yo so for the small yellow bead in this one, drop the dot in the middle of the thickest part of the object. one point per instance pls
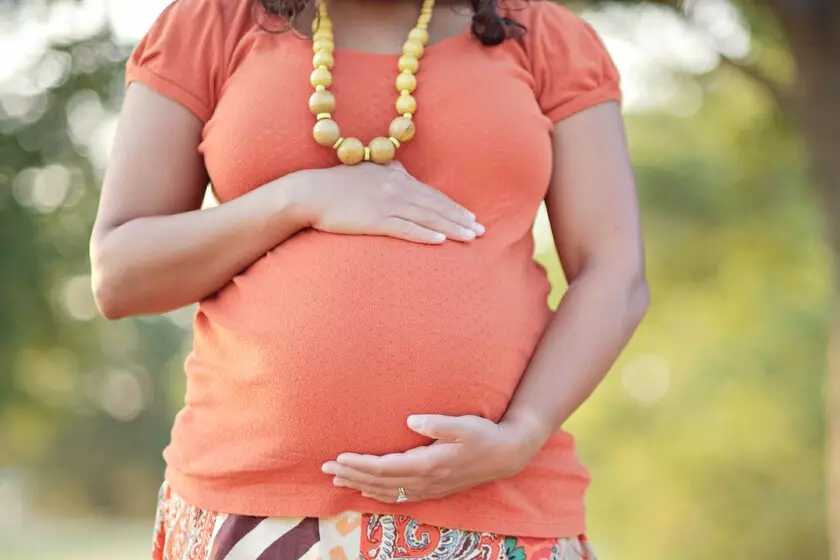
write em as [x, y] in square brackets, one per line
[407, 116]
[406, 104]
[419, 35]
[381, 150]
[413, 48]
[320, 88]
[320, 77]
[351, 151]
[323, 58]
[322, 116]
[338, 143]
[367, 153]
[321, 102]
[321, 23]
[408, 63]
[323, 45]
[326, 132]
[406, 82]
[323, 35]
[402, 129]
[394, 141]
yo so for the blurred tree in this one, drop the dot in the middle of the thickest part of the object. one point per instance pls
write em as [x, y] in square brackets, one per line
[810, 98]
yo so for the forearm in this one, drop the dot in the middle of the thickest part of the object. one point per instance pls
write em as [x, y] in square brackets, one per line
[160, 263]
[595, 320]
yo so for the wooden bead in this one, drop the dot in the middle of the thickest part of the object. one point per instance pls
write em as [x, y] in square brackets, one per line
[402, 129]
[381, 150]
[321, 102]
[405, 104]
[320, 77]
[351, 151]
[326, 132]
[413, 48]
[419, 35]
[406, 82]
[323, 45]
[323, 58]
[408, 63]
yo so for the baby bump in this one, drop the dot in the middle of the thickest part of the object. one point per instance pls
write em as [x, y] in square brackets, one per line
[313, 353]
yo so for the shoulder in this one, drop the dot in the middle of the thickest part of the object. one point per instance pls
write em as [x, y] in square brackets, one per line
[544, 17]
[206, 20]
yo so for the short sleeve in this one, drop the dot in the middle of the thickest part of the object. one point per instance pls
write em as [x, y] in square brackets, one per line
[571, 66]
[185, 55]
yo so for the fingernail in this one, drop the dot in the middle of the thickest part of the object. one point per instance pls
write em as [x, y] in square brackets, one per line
[471, 215]
[415, 422]
[439, 238]
[327, 468]
[479, 229]
[468, 233]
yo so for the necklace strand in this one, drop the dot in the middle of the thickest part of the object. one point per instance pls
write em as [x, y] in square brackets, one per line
[326, 132]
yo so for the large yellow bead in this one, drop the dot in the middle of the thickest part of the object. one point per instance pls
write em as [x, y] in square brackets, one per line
[381, 150]
[413, 48]
[419, 35]
[321, 102]
[405, 104]
[351, 151]
[323, 45]
[320, 77]
[402, 129]
[408, 62]
[326, 132]
[406, 82]
[323, 58]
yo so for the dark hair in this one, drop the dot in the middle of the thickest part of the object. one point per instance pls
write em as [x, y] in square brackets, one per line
[488, 25]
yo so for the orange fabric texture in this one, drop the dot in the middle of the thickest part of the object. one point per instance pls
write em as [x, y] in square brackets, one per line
[328, 342]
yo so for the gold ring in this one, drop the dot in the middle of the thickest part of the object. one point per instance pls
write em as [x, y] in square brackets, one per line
[401, 497]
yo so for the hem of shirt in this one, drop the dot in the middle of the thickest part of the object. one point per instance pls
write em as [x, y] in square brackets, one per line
[602, 94]
[271, 499]
[168, 88]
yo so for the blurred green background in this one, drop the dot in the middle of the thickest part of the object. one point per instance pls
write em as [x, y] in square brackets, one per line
[709, 438]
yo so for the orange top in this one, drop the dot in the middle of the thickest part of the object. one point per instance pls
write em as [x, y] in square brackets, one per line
[329, 342]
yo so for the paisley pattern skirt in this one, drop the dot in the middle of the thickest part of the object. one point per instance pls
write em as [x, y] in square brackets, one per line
[186, 532]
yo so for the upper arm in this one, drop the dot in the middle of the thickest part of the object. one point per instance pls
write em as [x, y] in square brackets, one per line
[155, 167]
[174, 78]
[592, 202]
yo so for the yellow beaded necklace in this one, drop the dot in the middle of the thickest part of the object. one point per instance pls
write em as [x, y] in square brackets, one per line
[326, 132]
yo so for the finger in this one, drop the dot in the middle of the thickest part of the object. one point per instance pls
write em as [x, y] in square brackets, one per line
[425, 196]
[366, 479]
[409, 231]
[420, 462]
[387, 496]
[434, 221]
[447, 428]
[384, 498]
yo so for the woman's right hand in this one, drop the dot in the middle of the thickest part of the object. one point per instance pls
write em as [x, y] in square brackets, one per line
[371, 199]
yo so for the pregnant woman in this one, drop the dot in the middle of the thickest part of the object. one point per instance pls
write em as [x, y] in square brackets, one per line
[375, 371]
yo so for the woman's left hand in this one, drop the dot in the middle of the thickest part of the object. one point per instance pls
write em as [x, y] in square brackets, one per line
[469, 451]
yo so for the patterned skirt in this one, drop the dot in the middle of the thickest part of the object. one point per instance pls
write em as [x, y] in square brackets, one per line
[186, 532]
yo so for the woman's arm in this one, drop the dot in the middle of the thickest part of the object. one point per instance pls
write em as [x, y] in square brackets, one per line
[595, 220]
[593, 208]
[152, 249]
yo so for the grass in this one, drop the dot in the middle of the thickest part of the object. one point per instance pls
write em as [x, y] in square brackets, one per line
[78, 540]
